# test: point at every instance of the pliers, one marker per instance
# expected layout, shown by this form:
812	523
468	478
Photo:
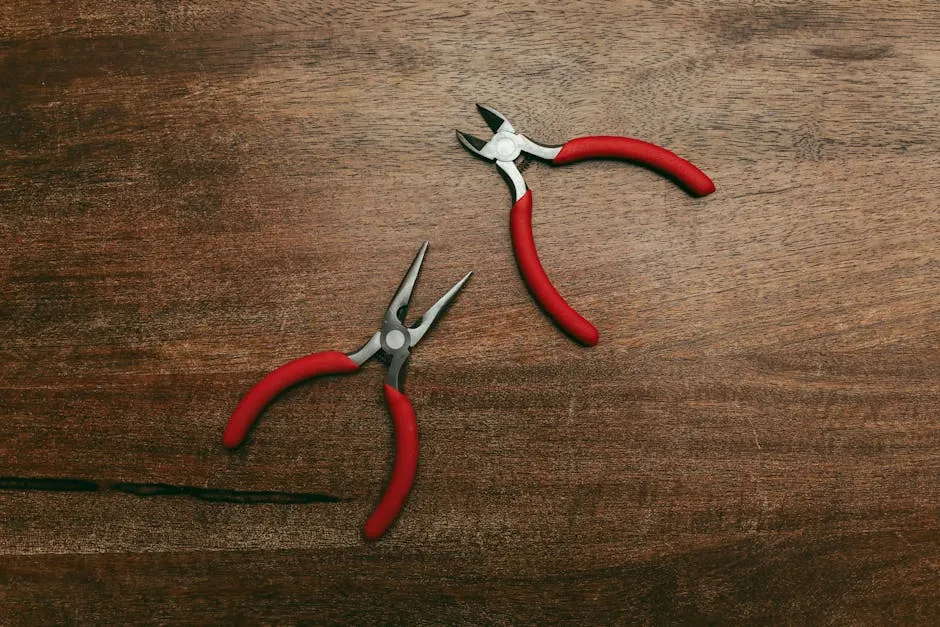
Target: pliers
507	145
393	343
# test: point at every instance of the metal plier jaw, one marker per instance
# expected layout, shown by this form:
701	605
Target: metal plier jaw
396	339
507	145
393	342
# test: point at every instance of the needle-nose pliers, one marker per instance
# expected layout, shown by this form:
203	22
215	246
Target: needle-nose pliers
393	342
507	145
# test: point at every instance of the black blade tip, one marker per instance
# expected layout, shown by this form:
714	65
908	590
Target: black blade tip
492	119
476	142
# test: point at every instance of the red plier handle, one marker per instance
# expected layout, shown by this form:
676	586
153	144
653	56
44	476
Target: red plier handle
638	151
326	363
580	149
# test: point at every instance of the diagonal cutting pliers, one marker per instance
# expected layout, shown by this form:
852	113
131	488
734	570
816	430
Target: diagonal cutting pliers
393	343
507	145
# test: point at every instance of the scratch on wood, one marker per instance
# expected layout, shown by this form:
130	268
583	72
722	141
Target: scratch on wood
41	484
47	484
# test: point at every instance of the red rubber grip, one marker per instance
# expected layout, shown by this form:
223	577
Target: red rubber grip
601	146
523	243
291	373
406	464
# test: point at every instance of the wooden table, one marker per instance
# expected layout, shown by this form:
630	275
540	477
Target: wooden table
196	191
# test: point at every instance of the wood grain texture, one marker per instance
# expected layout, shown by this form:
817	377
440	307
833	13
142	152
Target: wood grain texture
193	192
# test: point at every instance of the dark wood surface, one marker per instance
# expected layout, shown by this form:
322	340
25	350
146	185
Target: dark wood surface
194	192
